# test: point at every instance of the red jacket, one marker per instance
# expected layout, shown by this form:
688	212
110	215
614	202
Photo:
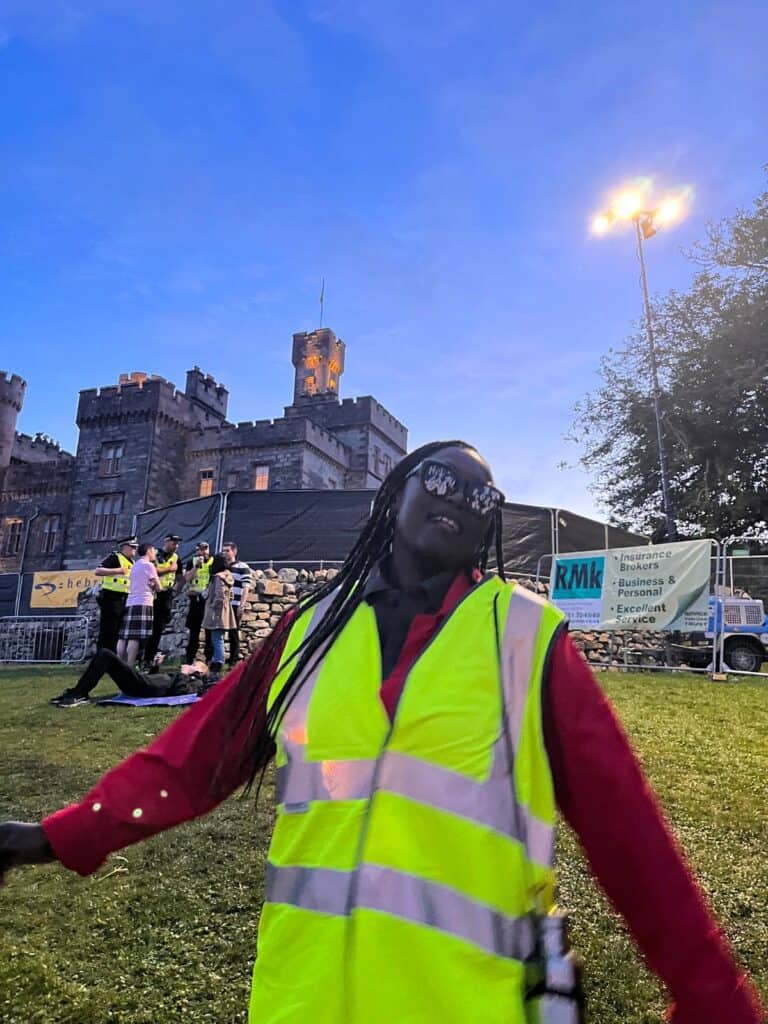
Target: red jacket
599	786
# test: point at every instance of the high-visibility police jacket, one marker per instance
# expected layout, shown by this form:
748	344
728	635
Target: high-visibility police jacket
120	584
202	578
168	579
408	855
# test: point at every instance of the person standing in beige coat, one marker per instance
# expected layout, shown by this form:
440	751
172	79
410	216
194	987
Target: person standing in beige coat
219	616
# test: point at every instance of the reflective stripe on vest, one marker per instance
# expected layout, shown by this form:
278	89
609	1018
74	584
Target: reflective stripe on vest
120	584
202	578
413	899
168	579
422	821
425	783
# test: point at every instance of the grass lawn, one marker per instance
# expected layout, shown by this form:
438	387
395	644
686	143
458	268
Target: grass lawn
165	932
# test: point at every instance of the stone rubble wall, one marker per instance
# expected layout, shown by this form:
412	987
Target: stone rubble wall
275	591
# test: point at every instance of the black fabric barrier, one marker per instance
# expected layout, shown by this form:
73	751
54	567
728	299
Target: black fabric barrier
526	532
307	527
294	527
9	583
193	521
577	533
618	538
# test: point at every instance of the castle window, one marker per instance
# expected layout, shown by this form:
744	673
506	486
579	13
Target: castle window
51	530
205	488
232	481
111	457
310	384
261	478
104	515
14	529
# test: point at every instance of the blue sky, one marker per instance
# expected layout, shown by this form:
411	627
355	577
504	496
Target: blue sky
177	177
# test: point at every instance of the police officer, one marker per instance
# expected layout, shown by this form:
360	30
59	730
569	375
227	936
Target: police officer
114	572
169	570
197	573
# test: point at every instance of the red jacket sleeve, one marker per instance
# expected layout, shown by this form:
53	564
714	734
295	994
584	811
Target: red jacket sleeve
605	798
185	772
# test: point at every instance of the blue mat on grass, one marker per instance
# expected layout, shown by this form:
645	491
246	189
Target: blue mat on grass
148	702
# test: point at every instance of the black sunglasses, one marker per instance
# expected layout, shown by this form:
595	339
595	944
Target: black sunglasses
439	479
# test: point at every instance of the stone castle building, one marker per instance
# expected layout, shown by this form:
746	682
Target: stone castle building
143	443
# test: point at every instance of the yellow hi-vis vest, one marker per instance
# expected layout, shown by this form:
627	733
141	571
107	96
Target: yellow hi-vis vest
407	856
168	579
118	583
202	578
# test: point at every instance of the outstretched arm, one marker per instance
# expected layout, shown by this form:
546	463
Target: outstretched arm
181	775
165	784
608	802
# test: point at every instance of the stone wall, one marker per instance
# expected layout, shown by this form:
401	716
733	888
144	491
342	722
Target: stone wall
276	591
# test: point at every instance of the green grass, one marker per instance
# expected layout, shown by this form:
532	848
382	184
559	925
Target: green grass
165	932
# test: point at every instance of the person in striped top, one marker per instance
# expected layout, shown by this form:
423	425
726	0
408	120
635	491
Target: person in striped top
242	587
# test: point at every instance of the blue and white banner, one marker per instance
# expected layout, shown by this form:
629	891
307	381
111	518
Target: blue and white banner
665	586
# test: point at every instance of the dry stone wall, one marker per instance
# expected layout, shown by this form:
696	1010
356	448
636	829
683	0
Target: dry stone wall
276	591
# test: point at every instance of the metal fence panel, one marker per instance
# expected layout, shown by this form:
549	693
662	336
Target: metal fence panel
30	639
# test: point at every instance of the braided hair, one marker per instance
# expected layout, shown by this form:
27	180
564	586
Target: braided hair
374	542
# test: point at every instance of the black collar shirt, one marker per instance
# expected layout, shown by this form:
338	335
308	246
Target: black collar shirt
396	608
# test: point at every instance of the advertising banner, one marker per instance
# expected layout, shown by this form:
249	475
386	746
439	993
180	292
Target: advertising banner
60	589
664	586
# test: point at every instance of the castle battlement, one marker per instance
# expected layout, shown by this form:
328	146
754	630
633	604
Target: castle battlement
140	378
135	394
12	389
367	404
38	449
265	433
207	394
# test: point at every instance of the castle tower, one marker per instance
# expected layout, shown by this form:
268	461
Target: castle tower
206	395
12	389
319	360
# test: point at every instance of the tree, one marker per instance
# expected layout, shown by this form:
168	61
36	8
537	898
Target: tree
713	358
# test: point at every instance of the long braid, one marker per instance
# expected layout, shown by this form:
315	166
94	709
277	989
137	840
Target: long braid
374	542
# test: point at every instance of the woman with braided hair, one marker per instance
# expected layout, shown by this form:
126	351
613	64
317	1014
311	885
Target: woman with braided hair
427	720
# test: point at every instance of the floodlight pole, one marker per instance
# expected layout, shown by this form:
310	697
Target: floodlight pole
639	220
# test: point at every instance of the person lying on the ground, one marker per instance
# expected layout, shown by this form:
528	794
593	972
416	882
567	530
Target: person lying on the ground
190	679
